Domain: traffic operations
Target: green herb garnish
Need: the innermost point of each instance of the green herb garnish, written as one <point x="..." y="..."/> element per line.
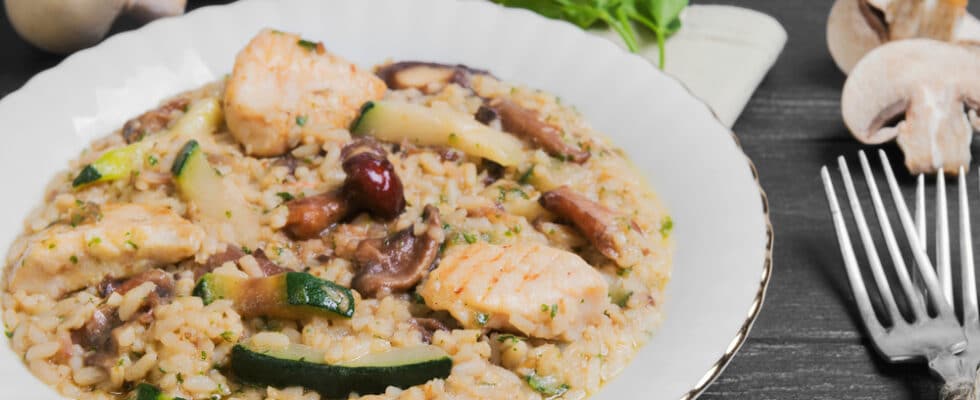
<point x="666" y="225"/>
<point x="285" y="196"/>
<point x="306" y="44"/>
<point x="301" y="120"/>
<point x="659" y="16"/>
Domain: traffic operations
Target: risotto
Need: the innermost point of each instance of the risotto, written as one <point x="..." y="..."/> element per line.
<point x="307" y="229"/>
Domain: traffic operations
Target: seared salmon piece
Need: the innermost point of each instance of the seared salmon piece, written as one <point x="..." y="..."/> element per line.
<point x="529" y="288"/>
<point x="283" y="85"/>
<point x="127" y="240"/>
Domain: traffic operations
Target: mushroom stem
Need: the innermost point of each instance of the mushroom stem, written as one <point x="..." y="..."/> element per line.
<point x="935" y="120"/>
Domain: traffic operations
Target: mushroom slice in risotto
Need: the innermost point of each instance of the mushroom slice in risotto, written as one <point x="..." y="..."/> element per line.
<point x="398" y="262"/>
<point x="530" y="288"/>
<point x="614" y="235"/>
<point x="127" y="240"/>
<point x="282" y="85"/>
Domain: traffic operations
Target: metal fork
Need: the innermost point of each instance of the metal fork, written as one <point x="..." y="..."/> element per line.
<point x="940" y="338"/>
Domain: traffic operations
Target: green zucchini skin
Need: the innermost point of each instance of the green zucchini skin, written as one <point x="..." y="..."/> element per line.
<point x="333" y="381"/>
<point x="185" y="153"/>
<point x="293" y="295"/>
<point x="306" y="290"/>
<point x="145" y="391"/>
<point x="87" y="175"/>
<point x="360" y="117"/>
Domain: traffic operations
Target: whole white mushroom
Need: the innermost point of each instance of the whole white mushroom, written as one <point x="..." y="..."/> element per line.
<point x="60" y="26"/>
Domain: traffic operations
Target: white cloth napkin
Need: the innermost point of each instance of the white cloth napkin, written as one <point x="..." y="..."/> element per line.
<point x="721" y="53"/>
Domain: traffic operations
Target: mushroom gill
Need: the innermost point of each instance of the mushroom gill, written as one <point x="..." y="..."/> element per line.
<point x="398" y="262"/>
<point x="929" y="82"/>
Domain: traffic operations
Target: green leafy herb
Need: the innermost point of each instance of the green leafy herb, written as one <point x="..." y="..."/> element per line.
<point x="482" y="318"/>
<point x="306" y="44"/>
<point x="285" y="196"/>
<point x="300" y="120"/>
<point x="94" y="241"/>
<point x="546" y="385"/>
<point x="152" y="159"/>
<point x="512" y="338"/>
<point x="666" y="226"/>
<point x="228" y="336"/>
<point x="661" y="17"/>
<point x="526" y="176"/>
<point x="554" y="311"/>
<point x="9" y="334"/>
<point x="469" y="237"/>
<point x="204" y="355"/>
<point x="246" y="250"/>
<point x="73" y="259"/>
<point x="180" y="378"/>
<point x="133" y="245"/>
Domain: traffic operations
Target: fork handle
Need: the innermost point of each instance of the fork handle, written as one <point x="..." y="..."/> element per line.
<point x="959" y="390"/>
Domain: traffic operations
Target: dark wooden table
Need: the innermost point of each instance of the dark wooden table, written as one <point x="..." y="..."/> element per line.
<point x="807" y="343"/>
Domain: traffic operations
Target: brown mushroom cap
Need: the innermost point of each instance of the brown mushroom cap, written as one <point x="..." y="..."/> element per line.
<point x="928" y="81"/>
<point x="398" y="262"/>
<point x="597" y="222"/>
<point x="855" y="27"/>
<point x="427" y="77"/>
<point x="527" y="123"/>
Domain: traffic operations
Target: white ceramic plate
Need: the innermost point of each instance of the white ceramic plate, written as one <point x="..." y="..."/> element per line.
<point x="722" y="229"/>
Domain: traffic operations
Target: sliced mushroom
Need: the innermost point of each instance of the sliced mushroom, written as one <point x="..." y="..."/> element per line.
<point x="268" y="267"/>
<point x="426" y="76"/>
<point x="372" y="185"/>
<point x="855" y="27"/>
<point x="933" y="84"/>
<point x="310" y="215"/>
<point x="154" y="120"/>
<point x="96" y="334"/>
<point x="398" y="262"/>
<point x="597" y="222"/>
<point x="427" y="327"/>
<point x="527" y="123"/>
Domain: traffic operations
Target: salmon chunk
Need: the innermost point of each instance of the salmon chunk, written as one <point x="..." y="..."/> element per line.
<point x="529" y="288"/>
<point x="127" y="240"/>
<point x="283" y="86"/>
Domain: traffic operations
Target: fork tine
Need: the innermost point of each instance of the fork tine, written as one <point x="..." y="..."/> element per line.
<point x="871" y="321"/>
<point x="969" y="290"/>
<point x="881" y="280"/>
<point x="942" y="239"/>
<point x="915" y="299"/>
<point x="925" y="266"/>
<point x="920" y="225"/>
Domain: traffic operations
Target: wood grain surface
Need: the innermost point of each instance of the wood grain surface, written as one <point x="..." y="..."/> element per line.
<point x="807" y="343"/>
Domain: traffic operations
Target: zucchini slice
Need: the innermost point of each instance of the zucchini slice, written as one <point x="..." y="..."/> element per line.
<point x="145" y="391"/>
<point x="218" y="202"/>
<point x="299" y="365"/>
<point x="394" y="121"/>
<point x="291" y="295"/>
<point x="112" y="165"/>
<point x="201" y="119"/>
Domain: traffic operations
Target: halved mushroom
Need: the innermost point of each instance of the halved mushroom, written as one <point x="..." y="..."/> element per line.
<point x="855" y="27"/>
<point x="398" y="262"/>
<point x="933" y="85"/>
<point x="426" y="76"/>
<point x="597" y="222"/>
<point x="527" y="123"/>
<point x="372" y="185"/>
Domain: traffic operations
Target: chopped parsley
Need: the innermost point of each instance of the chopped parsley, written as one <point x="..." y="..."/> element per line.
<point x="180" y="378"/>
<point x="152" y="159"/>
<point x="666" y="225"/>
<point x="554" y="311"/>
<point x="624" y="271"/>
<point x="512" y="338"/>
<point x="453" y="138"/>
<point x="504" y="192"/>
<point x="131" y="244"/>
<point x="228" y="336"/>
<point x="469" y="237"/>
<point x="285" y="196"/>
<point x="52" y="245"/>
<point x="9" y="334"/>
<point x="482" y="318"/>
<point x="546" y="385"/>
<point x="526" y="176"/>
<point x="162" y="371"/>
<point x="228" y="214"/>
<point x="246" y="250"/>
<point x="73" y="259"/>
<point x="94" y="241"/>
<point x="301" y="120"/>
<point x="204" y="355"/>
<point x="306" y="44"/>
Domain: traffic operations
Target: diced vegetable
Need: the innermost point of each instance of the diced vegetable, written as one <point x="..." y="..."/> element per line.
<point x="292" y="295"/>
<point x="201" y="119"/>
<point x="299" y="365"/>
<point x="396" y="121"/>
<point x="217" y="201"/>
<point x="111" y="165"/>
<point x="145" y="391"/>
